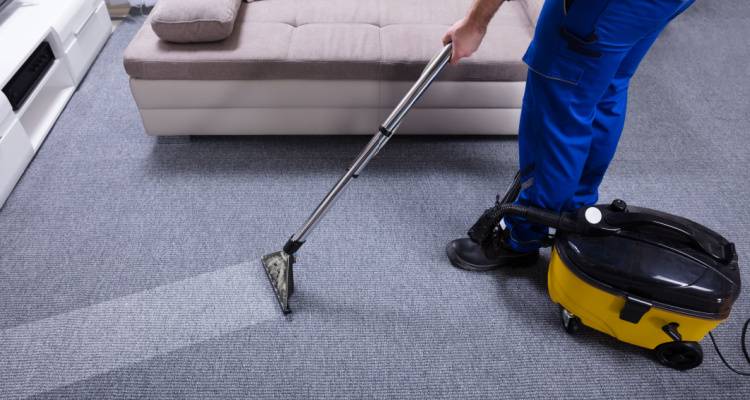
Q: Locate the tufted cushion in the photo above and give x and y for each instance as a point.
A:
(336, 39)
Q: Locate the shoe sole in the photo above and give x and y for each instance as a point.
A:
(525, 260)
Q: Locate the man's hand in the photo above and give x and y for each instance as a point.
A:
(466, 37)
(467, 34)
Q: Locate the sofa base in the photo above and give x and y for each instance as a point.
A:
(328, 121)
(314, 107)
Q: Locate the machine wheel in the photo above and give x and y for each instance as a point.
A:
(570, 322)
(679, 355)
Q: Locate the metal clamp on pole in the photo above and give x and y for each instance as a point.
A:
(429, 74)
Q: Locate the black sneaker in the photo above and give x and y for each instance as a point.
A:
(466, 254)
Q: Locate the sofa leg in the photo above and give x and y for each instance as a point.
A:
(173, 139)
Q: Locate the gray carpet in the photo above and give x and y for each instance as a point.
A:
(129, 268)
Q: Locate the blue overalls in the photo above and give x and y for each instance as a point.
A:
(581, 59)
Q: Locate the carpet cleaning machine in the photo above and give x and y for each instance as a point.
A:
(645, 277)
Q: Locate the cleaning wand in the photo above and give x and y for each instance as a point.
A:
(279, 265)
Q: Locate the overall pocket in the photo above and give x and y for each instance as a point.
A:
(556, 68)
(547, 55)
(578, 26)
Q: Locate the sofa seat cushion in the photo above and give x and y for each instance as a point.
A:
(336, 39)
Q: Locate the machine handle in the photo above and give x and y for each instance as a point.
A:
(615, 218)
(720, 250)
(717, 249)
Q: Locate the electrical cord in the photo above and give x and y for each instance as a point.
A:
(744, 349)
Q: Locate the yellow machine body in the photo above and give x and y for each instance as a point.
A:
(600, 310)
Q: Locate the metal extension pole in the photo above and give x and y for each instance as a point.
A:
(378, 141)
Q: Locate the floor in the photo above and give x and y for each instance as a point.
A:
(130, 268)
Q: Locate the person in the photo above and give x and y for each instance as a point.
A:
(580, 62)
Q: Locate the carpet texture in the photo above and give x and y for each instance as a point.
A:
(130, 268)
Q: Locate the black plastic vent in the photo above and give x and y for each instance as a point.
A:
(28, 76)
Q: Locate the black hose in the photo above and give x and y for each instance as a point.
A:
(486, 224)
(744, 349)
(513, 191)
(539, 216)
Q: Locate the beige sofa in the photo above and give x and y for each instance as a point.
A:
(331, 67)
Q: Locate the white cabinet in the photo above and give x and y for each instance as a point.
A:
(15, 154)
(76, 30)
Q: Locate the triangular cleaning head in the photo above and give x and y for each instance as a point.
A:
(278, 267)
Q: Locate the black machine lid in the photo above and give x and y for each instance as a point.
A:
(655, 262)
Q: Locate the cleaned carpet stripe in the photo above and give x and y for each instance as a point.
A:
(53, 352)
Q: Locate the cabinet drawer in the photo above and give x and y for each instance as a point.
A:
(71, 16)
(6, 113)
(15, 154)
(88, 40)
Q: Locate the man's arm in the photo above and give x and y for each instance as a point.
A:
(467, 34)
